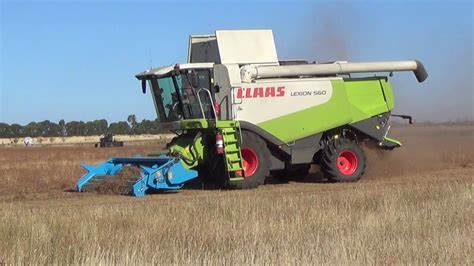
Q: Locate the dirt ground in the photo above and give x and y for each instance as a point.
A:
(51, 171)
(411, 206)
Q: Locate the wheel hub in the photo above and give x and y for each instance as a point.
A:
(347, 162)
(250, 161)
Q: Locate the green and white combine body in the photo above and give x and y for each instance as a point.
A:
(241, 115)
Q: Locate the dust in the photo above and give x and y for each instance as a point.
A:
(424, 149)
(332, 39)
(447, 95)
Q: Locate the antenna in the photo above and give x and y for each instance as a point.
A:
(151, 59)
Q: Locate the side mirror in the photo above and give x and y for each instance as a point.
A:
(143, 86)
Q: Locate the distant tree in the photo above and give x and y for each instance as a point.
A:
(148, 127)
(17, 131)
(119, 128)
(102, 126)
(96, 127)
(32, 130)
(75, 128)
(88, 129)
(140, 128)
(62, 128)
(132, 122)
(4, 130)
(48, 129)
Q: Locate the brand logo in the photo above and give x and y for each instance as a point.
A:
(308, 93)
(260, 92)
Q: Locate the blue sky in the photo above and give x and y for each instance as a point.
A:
(77, 60)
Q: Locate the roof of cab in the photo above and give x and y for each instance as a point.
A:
(164, 71)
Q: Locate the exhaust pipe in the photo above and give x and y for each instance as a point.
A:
(249, 73)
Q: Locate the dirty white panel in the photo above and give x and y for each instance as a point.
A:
(246, 46)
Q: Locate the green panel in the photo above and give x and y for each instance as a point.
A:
(192, 150)
(387, 88)
(203, 123)
(227, 123)
(334, 113)
(366, 98)
(394, 141)
(194, 123)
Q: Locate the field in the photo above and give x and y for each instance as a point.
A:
(75, 140)
(414, 205)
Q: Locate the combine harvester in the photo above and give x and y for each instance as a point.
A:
(242, 115)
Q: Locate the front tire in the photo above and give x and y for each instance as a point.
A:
(256, 161)
(342, 160)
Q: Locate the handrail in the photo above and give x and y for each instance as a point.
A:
(210, 98)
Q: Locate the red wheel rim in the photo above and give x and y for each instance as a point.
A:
(250, 161)
(347, 162)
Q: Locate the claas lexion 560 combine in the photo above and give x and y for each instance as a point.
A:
(241, 115)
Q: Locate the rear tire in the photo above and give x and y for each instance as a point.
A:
(256, 158)
(342, 160)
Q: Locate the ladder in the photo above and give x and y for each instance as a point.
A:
(232, 153)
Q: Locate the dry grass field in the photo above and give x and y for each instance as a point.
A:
(84, 140)
(414, 205)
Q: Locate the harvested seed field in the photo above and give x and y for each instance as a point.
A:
(414, 205)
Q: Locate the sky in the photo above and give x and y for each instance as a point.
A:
(77, 60)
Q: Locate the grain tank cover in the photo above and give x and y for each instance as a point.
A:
(233, 47)
(246, 46)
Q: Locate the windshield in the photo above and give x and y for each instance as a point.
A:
(176, 99)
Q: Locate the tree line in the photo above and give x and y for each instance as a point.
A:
(79, 128)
